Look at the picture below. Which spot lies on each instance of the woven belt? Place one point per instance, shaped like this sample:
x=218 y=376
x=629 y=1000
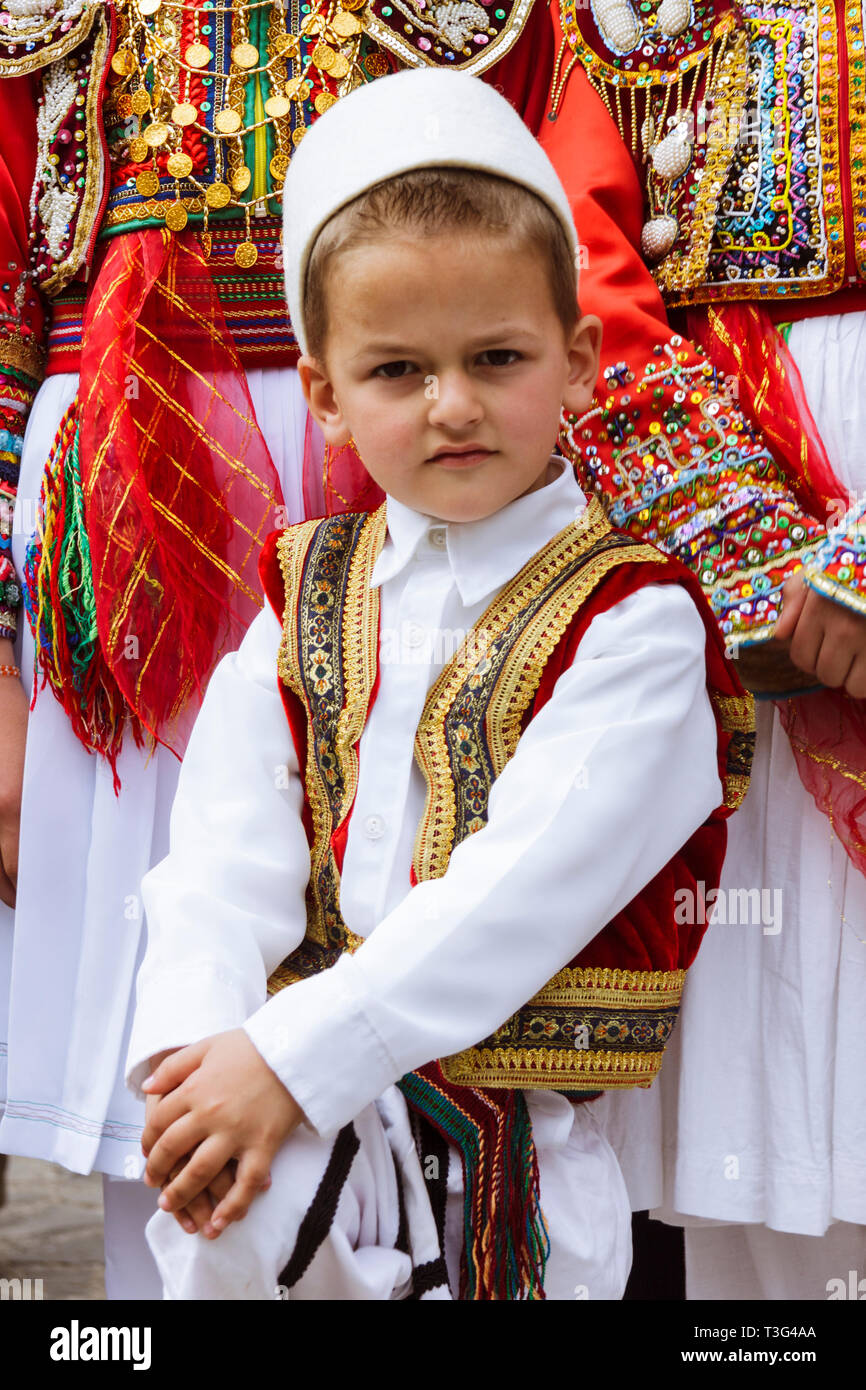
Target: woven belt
x=253 y=302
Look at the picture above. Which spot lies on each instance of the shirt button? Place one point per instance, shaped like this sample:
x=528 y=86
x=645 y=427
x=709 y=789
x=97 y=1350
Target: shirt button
x=374 y=827
x=414 y=635
x=437 y=537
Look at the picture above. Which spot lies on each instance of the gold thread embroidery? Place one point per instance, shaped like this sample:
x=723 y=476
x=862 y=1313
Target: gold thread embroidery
x=285 y=975
x=22 y=354
x=678 y=272
x=611 y=985
x=95 y=173
x=50 y=53
x=482 y=58
x=292 y=550
x=360 y=649
x=549 y=1069
x=736 y=712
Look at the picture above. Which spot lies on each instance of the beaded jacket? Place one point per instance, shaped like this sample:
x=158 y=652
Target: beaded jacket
x=717 y=148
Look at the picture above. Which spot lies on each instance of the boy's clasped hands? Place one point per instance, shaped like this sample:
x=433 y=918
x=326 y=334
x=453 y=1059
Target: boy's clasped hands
x=215 y=1116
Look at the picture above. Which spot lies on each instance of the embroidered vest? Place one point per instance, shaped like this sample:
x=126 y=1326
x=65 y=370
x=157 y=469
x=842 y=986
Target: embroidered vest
x=603 y=1021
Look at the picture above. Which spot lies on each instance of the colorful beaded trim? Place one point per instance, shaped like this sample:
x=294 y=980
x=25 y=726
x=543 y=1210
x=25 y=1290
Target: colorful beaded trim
x=676 y=463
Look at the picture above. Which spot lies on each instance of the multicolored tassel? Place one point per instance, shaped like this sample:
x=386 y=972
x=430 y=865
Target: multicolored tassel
x=61 y=607
x=506 y=1245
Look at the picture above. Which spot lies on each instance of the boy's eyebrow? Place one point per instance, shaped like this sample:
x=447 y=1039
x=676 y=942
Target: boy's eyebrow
x=384 y=350
x=496 y=335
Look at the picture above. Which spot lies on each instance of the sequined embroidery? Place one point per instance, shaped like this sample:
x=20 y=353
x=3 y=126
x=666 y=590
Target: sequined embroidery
x=676 y=463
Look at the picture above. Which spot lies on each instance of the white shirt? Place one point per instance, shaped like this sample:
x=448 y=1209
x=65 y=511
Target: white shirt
x=608 y=781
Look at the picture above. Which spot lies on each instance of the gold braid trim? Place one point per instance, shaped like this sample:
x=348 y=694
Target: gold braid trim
x=41 y=57
x=549 y=1069
x=480 y=60
x=360 y=657
x=730 y=91
x=514 y=692
x=285 y=973
x=23 y=354
x=588 y=994
x=736 y=712
x=360 y=650
x=607 y=984
x=292 y=549
x=95 y=169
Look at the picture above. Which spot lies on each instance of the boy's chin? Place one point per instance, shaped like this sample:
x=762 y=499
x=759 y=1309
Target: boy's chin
x=463 y=497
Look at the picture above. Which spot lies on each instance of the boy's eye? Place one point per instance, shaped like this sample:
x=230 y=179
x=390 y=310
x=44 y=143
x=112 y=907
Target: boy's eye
x=499 y=357
x=392 y=371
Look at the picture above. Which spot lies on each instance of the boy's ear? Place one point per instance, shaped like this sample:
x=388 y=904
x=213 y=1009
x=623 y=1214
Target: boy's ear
x=323 y=404
x=584 y=352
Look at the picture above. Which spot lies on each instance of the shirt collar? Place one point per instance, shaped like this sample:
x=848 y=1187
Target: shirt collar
x=485 y=554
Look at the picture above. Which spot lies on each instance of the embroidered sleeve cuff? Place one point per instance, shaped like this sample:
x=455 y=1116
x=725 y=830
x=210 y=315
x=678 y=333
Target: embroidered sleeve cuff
x=675 y=462
x=317 y=1038
x=182 y=1007
x=837 y=569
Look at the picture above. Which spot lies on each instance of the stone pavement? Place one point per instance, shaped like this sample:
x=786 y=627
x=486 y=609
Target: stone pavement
x=51 y=1229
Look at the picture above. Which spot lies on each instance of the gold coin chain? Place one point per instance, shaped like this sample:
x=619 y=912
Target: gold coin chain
x=154 y=31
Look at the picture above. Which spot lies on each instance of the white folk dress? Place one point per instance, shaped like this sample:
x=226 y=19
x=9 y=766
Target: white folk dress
x=79 y=929
x=609 y=780
x=765 y=1113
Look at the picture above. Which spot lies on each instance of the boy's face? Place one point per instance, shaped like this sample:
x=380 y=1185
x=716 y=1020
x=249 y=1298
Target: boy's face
x=446 y=362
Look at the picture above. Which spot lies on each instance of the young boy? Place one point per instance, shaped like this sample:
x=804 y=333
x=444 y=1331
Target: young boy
x=472 y=758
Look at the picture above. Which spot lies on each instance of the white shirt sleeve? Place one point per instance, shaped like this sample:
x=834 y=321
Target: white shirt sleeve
x=609 y=780
x=227 y=904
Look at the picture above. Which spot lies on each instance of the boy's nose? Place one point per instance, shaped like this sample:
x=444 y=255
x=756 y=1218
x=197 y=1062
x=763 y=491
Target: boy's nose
x=454 y=400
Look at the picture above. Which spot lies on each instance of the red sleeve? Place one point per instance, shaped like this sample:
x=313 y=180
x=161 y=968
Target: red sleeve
x=607 y=200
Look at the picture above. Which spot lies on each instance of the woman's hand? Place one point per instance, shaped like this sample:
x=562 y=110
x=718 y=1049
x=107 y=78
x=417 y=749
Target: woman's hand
x=827 y=640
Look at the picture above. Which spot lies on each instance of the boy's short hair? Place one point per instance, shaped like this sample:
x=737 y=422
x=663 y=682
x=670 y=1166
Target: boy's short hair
x=433 y=201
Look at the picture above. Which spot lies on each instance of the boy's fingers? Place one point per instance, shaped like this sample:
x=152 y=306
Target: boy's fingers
x=173 y=1146
x=197 y=1173
x=252 y=1176
x=176 y=1068
x=148 y=1134
x=222 y=1184
x=162 y=1112
x=196 y=1213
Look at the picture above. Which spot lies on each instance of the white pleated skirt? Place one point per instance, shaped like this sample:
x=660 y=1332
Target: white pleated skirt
x=760 y=1111
x=67 y=973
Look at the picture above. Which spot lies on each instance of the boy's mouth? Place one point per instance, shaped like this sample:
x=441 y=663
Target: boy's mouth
x=464 y=456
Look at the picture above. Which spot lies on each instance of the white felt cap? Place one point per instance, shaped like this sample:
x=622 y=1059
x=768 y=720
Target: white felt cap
x=415 y=119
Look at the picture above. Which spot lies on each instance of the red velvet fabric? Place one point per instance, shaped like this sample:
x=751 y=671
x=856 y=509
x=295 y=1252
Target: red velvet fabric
x=524 y=75
x=17 y=166
x=645 y=935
